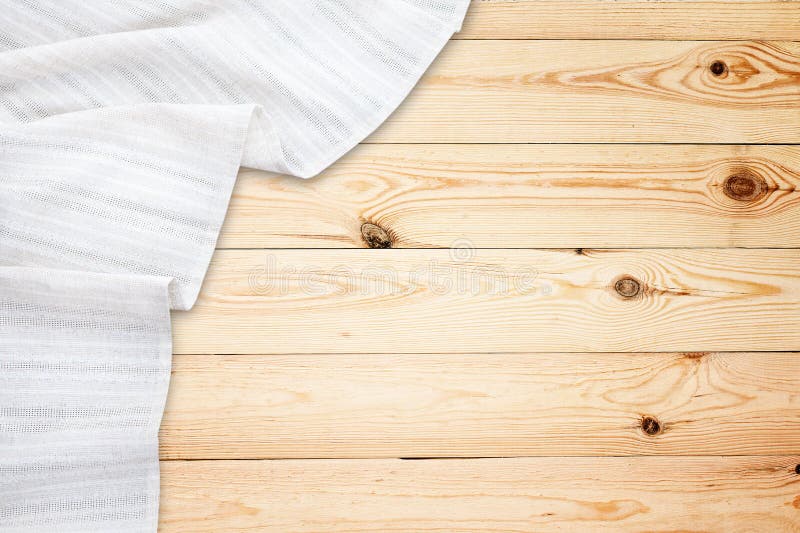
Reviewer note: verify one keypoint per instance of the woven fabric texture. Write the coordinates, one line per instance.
(123, 124)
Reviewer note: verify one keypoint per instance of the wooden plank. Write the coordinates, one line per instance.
(711, 494)
(632, 19)
(529, 196)
(604, 92)
(474, 300)
(481, 405)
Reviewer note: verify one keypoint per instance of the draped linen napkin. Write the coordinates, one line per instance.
(122, 127)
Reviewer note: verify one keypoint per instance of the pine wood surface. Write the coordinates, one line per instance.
(589, 91)
(482, 405)
(588, 317)
(487, 300)
(529, 196)
(632, 19)
(732, 494)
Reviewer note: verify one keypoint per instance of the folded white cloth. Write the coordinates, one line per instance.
(84, 369)
(122, 126)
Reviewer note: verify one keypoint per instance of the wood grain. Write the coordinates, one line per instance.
(481, 405)
(604, 92)
(475, 300)
(340, 359)
(710, 494)
(527, 196)
(632, 19)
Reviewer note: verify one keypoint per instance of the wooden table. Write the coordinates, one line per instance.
(564, 277)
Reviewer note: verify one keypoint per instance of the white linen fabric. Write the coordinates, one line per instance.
(85, 362)
(122, 127)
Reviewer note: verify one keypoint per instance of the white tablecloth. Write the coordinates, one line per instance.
(122, 127)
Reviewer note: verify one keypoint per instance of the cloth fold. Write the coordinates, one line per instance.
(122, 127)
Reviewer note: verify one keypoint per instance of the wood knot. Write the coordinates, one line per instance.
(797, 469)
(651, 426)
(744, 186)
(628, 287)
(695, 355)
(375, 236)
(718, 68)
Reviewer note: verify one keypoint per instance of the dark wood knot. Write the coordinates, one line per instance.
(375, 236)
(628, 287)
(695, 355)
(651, 426)
(718, 68)
(744, 186)
(797, 469)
